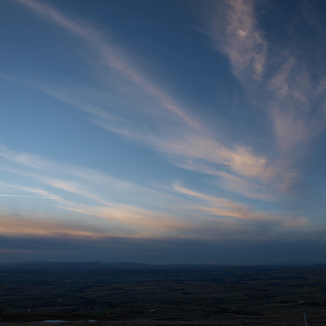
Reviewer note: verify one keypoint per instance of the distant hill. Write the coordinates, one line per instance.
(99, 265)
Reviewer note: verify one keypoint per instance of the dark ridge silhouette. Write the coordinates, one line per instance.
(100, 265)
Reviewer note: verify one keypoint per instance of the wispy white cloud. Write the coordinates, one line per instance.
(24, 158)
(282, 85)
(18, 196)
(183, 146)
(239, 159)
(176, 210)
(298, 106)
(245, 187)
(233, 28)
(239, 169)
(237, 180)
(194, 149)
(210, 207)
(180, 138)
(86, 182)
(110, 55)
(30, 226)
(43, 193)
(103, 218)
(98, 188)
(197, 151)
(136, 221)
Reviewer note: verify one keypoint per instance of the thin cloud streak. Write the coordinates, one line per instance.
(221, 207)
(136, 221)
(39, 163)
(111, 56)
(246, 188)
(3, 195)
(17, 226)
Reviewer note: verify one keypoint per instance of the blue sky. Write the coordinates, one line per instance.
(163, 131)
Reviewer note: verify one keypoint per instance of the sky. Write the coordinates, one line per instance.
(166, 131)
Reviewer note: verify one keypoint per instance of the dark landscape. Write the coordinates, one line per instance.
(139, 294)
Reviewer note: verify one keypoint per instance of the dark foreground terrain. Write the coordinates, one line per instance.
(168, 295)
